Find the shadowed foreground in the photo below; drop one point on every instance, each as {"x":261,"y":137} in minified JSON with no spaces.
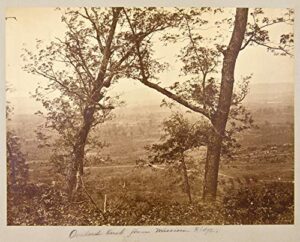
{"x":267,"y":203}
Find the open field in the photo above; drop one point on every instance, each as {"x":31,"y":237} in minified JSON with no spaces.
{"x":112,"y":180}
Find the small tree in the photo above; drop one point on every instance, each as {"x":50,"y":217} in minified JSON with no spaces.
{"x":180,"y":135}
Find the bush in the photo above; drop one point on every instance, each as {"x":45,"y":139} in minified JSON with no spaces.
{"x":260,"y":204}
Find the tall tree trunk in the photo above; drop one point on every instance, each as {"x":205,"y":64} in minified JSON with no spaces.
{"x":221,"y":116}
{"x":186,"y":179}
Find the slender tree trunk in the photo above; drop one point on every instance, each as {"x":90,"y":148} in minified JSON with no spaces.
{"x":186,"y":179}
{"x":221,"y":116}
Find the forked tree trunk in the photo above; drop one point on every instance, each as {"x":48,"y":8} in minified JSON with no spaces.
{"x":221,"y":116}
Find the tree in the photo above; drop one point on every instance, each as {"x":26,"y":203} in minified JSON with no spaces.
{"x":79,"y":69}
{"x":95,"y":53}
{"x":215,"y":101}
{"x":179,"y":136}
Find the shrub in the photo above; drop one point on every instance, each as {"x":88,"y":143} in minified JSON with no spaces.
{"x":260,"y":204}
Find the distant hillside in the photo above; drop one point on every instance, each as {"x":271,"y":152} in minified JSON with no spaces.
{"x":143,"y":99}
{"x":281,"y":94}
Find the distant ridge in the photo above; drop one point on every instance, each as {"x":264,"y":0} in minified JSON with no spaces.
{"x":264,"y":93}
{"x":260,"y":93}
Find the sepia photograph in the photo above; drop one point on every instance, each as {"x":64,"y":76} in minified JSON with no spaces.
{"x":121,"y":116}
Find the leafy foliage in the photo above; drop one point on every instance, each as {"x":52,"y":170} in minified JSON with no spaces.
{"x":258,"y":32}
{"x":260,"y":204}
{"x":47,"y":205}
{"x":179,"y":135}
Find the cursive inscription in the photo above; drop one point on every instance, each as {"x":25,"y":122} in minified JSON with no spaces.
{"x":130,"y":232}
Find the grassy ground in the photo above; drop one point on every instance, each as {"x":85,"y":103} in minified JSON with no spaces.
{"x":148,"y":196}
{"x":166,"y":184}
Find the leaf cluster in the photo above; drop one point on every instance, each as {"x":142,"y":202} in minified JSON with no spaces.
{"x":179,"y":136}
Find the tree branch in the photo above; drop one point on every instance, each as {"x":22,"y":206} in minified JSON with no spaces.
{"x":158,"y":88}
{"x":107,"y":50}
{"x":273,"y":47}
{"x":248,"y":41}
{"x":53,"y":78}
{"x":95,"y":27}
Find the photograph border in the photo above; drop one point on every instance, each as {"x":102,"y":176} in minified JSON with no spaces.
{"x":251,"y":233}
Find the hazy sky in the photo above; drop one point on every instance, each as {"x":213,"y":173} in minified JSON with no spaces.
{"x":45,"y":24}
